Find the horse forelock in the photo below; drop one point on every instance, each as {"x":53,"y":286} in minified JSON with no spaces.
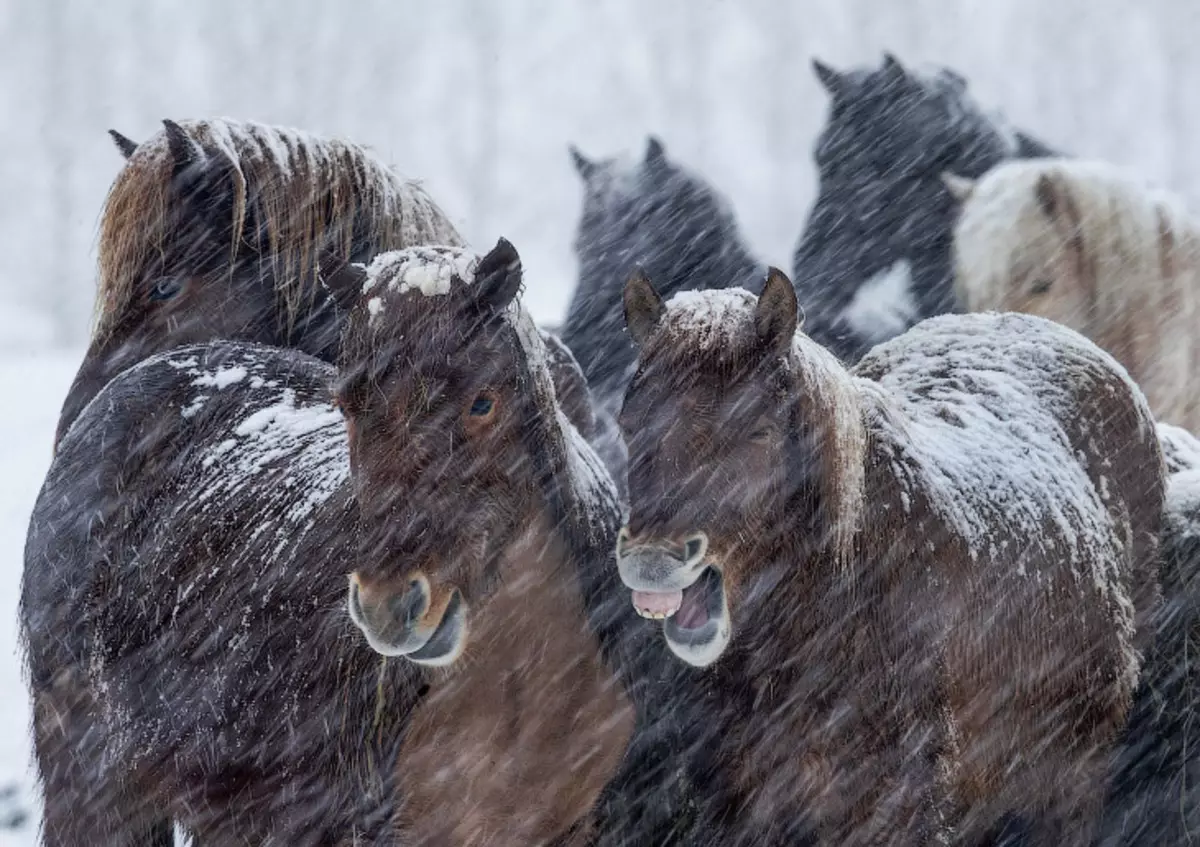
{"x":306,"y":195}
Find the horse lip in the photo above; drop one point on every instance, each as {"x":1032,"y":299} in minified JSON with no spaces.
{"x":705,"y":644}
{"x":653,"y":568}
{"x":445,"y":643}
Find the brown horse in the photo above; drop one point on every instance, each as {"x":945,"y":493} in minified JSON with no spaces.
{"x":216,"y":229}
{"x":193,"y":651}
{"x":921,"y":586}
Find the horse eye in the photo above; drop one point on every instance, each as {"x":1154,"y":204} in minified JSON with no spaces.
{"x":1040,"y":286}
{"x":483,"y":406}
{"x":166,"y":288}
{"x":762,"y":434}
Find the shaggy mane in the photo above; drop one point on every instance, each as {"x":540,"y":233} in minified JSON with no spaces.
{"x":308,"y":194}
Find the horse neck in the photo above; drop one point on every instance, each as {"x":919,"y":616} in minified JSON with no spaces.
{"x":533,"y":692}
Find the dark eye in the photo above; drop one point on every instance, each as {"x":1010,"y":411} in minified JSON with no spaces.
{"x":1040,"y":286}
{"x":166,"y":288}
{"x":762,"y":434}
{"x":483,"y":406}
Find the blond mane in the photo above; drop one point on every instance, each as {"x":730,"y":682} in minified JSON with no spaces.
{"x":308,"y":193}
{"x":1132,"y":253}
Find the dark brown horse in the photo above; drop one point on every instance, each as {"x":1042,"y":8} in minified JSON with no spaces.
{"x":216,"y":229}
{"x":193,"y":651}
{"x":921,"y":586}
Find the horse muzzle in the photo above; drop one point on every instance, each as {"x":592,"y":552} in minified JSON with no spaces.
{"x":672,"y":583}
{"x":410,"y":622}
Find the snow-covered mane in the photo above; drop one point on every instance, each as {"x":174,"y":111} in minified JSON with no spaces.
{"x":1090,"y":246}
{"x":291,"y":195}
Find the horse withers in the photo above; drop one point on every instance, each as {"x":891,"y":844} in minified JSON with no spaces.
{"x":196,"y":653}
{"x":922,"y":587}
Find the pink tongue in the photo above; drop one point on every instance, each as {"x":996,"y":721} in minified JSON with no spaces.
{"x":659,"y":603}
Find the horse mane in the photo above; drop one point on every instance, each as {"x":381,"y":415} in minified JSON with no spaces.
{"x":719,"y":328}
{"x":307,"y":194}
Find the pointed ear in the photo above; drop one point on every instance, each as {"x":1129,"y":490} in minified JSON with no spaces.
{"x":185,"y":150}
{"x":960,"y":187}
{"x":498,"y":277}
{"x":656,"y":151}
{"x":892,"y":69}
{"x":124,"y":144}
{"x":775,"y":316}
{"x":644,"y":309}
{"x":956,"y":80}
{"x":584,"y":166}
{"x":1055,"y":200}
{"x":344,"y":283}
{"x":830,"y":79}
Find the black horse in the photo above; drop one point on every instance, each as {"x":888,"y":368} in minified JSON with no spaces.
{"x":875,"y":255}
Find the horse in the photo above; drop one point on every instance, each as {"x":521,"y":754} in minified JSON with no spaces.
{"x":922,"y":587}
{"x":874,"y":257}
{"x":218,"y":229}
{"x":196,"y":653}
{"x":1087,"y":245}
{"x":1155,"y":798}
{"x":655,"y":213}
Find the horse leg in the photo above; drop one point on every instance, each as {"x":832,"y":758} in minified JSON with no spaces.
{"x":83,"y":804}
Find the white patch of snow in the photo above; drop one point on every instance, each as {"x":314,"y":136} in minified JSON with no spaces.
{"x":713,"y":319}
{"x":221,"y":378}
{"x":883,"y":306}
{"x":427,"y":270}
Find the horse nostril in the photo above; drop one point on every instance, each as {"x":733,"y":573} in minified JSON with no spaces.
{"x":694,"y":548}
{"x":409,"y":606}
{"x":622,"y":540}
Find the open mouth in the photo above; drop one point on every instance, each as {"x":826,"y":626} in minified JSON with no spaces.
{"x":688,"y":609}
{"x":447,"y":639}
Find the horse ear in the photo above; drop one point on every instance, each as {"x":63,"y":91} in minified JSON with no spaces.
{"x":956,"y":80}
{"x":644,"y":309}
{"x":185,"y":150}
{"x":1054,"y":199}
{"x":498,"y":277}
{"x":656,"y":151}
{"x":830,"y":79}
{"x":344,"y":283}
{"x":584,"y":166}
{"x":892,"y":69}
{"x":776,"y":315}
{"x":124,"y":144}
{"x":960,"y":187}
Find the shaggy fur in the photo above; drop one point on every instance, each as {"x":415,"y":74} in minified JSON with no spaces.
{"x":938,"y":571}
{"x":184,"y":599}
{"x":1088,"y":246}
{"x":1155,"y":798}
{"x":881,"y":208}
{"x":218,"y":229}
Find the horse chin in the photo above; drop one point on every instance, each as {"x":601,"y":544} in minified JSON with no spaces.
{"x":699,"y":631}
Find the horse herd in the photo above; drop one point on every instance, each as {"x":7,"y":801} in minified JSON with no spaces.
{"x":338,"y":548}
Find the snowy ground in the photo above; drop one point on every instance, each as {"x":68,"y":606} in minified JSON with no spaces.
{"x":33,"y":387}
